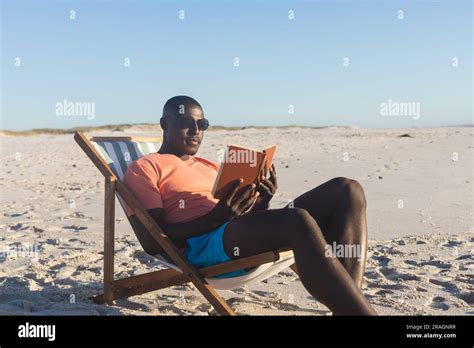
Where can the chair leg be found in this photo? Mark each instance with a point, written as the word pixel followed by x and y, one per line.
pixel 213 297
pixel 109 236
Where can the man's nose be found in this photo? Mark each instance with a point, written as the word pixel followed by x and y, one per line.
pixel 194 128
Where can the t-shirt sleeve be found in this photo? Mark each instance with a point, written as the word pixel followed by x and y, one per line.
pixel 142 179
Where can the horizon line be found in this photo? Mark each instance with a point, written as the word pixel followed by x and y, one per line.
pixel 123 126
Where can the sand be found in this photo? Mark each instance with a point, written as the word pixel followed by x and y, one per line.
pixel 419 189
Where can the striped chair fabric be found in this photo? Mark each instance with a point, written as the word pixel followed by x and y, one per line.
pixel 120 153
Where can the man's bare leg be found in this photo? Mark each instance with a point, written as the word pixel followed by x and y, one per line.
pixel 281 229
pixel 339 207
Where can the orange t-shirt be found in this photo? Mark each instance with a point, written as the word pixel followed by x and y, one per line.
pixel 181 188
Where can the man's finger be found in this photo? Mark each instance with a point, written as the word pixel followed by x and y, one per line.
pixel 248 203
pixel 263 172
pixel 273 175
pixel 234 190
pixel 269 184
pixel 244 195
pixel 266 189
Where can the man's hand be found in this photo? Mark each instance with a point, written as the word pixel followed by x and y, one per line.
pixel 267 190
pixel 234 204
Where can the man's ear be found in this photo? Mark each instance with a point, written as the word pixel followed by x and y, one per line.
pixel 163 123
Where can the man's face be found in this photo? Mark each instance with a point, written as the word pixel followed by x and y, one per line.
pixel 182 133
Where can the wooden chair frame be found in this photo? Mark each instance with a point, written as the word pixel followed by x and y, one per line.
pixel 114 289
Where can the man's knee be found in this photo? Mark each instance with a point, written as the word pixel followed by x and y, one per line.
pixel 352 190
pixel 299 220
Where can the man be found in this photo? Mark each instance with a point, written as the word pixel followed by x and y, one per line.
pixel 175 186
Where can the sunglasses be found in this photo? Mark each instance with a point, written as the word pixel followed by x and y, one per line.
pixel 187 122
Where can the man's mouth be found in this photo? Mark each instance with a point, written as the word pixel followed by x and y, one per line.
pixel 193 141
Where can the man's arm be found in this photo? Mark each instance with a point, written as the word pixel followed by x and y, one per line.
pixel 226 209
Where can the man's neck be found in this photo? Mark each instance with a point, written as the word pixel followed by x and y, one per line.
pixel 165 149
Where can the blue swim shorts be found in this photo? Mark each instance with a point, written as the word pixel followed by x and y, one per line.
pixel 208 250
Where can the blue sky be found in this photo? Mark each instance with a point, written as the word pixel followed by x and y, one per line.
pixel 283 62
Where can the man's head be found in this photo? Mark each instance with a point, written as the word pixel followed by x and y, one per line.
pixel 183 125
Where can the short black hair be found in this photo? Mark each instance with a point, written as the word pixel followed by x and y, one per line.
pixel 175 105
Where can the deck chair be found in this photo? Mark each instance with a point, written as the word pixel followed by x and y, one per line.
pixel 112 155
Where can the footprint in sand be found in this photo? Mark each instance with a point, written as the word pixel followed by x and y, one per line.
pixel 467 297
pixel 75 215
pixel 420 289
pixel 382 260
pixel 53 241
pixel 411 262
pixel 270 301
pixel 240 291
pixel 438 302
pixel 14 214
pixel 19 227
pixel 171 309
pixel 75 241
pixel 436 263
pixel 453 243
pixel 205 307
pixel 141 256
pixel 386 286
pixel 392 274
pixel 465 257
pixel 37 229
pixel 447 284
pixel 266 294
pixel 75 227
pixel 373 274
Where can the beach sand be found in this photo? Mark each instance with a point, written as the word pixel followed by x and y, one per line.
pixel 419 189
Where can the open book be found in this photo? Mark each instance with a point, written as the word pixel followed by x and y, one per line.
pixel 241 162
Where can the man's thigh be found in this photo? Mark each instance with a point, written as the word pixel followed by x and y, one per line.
pixel 260 231
pixel 321 201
